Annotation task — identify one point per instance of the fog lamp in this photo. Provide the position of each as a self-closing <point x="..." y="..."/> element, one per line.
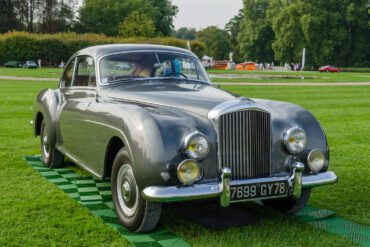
<point x="316" y="160"/>
<point x="188" y="172"/>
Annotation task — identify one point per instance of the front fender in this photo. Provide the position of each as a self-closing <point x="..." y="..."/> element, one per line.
<point x="156" y="135"/>
<point x="285" y="116"/>
<point x="47" y="103"/>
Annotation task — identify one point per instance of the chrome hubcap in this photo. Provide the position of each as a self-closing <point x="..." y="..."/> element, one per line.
<point x="127" y="190"/>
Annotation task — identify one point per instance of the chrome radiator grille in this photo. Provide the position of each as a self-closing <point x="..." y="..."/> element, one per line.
<point x="245" y="143"/>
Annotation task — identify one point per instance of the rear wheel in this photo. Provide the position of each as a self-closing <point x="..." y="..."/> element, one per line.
<point x="289" y="205"/>
<point x="135" y="213"/>
<point x="50" y="155"/>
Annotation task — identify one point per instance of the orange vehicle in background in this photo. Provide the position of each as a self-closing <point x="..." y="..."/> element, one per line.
<point x="246" y="66"/>
<point x="220" y="64"/>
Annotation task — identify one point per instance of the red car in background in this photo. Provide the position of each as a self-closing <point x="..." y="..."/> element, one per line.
<point x="329" y="69"/>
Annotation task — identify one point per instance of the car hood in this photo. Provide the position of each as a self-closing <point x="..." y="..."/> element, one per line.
<point x="196" y="98"/>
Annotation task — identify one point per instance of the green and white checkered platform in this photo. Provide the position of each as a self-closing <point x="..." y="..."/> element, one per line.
<point x="97" y="197"/>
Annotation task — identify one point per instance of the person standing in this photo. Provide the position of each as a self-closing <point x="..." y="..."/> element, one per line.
<point x="39" y="62"/>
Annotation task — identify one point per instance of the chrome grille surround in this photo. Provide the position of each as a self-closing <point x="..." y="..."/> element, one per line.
<point x="244" y="138"/>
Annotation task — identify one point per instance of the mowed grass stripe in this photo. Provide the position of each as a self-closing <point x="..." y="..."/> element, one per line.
<point x="35" y="213"/>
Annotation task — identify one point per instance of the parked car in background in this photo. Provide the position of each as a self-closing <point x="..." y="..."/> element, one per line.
<point x="30" y="65"/>
<point x="162" y="132"/>
<point x="13" y="64"/>
<point x="329" y="68"/>
<point x="246" y="66"/>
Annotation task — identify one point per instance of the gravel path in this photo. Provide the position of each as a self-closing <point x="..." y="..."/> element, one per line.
<point x="223" y="83"/>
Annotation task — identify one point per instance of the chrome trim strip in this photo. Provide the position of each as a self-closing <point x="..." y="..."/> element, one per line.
<point x="232" y="106"/>
<point x="82" y="165"/>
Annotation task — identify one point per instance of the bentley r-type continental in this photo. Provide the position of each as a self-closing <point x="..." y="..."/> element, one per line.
<point x="148" y="118"/>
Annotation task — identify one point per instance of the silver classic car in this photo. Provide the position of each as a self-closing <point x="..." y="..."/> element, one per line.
<point x="148" y="118"/>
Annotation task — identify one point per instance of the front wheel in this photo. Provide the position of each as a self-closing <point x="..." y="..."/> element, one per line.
<point x="135" y="213"/>
<point x="289" y="205"/>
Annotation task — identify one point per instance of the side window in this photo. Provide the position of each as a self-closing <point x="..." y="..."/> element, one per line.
<point x="68" y="74"/>
<point x="85" y="72"/>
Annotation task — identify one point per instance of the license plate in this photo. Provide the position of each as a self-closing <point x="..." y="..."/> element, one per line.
<point x="258" y="190"/>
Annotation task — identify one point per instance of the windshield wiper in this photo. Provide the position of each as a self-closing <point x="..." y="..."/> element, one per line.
<point x="127" y="80"/>
<point x="185" y="80"/>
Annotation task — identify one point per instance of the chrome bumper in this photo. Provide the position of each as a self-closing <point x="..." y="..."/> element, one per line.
<point x="222" y="189"/>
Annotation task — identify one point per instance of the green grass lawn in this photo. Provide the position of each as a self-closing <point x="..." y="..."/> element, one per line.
<point x="225" y="76"/>
<point x="41" y="73"/>
<point x="35" y="213"/>
<point x="287" y="76"/>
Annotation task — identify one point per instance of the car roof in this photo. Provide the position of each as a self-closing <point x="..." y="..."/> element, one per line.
<point x="102" y="50"/>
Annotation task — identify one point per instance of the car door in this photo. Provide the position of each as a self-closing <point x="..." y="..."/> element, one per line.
<point x="78" y="93"/>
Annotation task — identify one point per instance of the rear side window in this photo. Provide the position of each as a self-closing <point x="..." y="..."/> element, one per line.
<point x="85" y="72"/>
<point x="68" y="74"/>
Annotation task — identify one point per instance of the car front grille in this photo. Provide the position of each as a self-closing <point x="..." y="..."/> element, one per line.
<point x="245" y="143"/>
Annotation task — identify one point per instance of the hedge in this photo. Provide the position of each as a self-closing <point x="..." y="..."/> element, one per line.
<point x="54" y="48"/>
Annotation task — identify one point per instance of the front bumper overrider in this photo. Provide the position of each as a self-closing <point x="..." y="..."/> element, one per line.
<point x="222" y="189"/>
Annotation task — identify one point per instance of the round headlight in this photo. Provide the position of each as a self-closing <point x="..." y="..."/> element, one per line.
<point x="196" y="146"/>
<point x="295" y="140"/>
<point x="316" y="160"/>
<point x="188" y="172"/>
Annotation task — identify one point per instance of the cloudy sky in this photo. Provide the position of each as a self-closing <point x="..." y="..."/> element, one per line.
<point x="204" y="13"/>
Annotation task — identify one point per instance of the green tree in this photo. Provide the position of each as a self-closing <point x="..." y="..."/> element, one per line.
<point x="8" y="20"/>
<point x="104" y="16"/>
<point x="217" y="42"/>
<point x="137" y="25"/>
<point x="185" y="33"/>
<point x="56" y="15"/>
<point x="234" y="27"/>
<point x="333" y="32"/>
<point x="162" y="13"/>
<point x="256" y="34"/>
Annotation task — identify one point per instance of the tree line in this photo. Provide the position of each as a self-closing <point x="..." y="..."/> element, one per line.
<point x="333" y="32"/>
<point x="144" y="18"/>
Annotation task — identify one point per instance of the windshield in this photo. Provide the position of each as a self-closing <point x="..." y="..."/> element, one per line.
<point x="150" y="65"/>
